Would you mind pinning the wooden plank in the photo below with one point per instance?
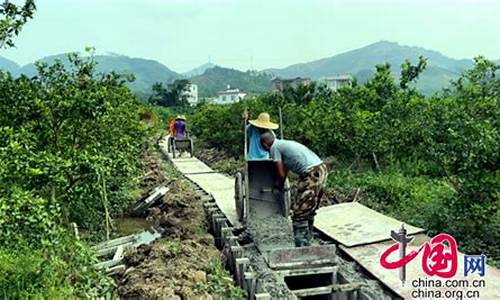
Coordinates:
(116, 269)
(150, 200)
(118, 253)
(262, 296)
(353, 224)
(108, 264)
(112, 250)
(116, 242)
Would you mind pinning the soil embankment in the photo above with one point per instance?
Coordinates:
(184, 264)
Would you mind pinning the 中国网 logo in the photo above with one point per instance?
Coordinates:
(439, 256)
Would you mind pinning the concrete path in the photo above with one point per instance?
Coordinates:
(220, 186)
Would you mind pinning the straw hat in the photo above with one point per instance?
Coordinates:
(181, 117)
(264, 121)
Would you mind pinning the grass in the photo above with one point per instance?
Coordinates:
(220, 282)
(174, 246)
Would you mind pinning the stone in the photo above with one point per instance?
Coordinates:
(200, 276)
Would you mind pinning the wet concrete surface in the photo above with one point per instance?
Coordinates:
(270, 232)
(267, 280)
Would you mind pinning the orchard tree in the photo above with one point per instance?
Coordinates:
(171, 95)
(411, 72)
(13, 17)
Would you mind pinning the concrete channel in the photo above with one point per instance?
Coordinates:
(280, 272)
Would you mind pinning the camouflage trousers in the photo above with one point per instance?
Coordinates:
(310, 189)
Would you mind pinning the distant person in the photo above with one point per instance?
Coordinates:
(180, 127)
(254, 130)
(292, 156)
(171, 127)
(171, 133)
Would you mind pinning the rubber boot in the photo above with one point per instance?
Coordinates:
(300, 232)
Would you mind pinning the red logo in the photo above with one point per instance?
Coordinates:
(438, 259)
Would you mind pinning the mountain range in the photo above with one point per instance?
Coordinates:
(212, 78)
(146, 71)
(361, 63)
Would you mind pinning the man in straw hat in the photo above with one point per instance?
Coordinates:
(293, 156)
(257, 127)
(180, 127)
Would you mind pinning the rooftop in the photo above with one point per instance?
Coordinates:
(290, 79)
(339, 77)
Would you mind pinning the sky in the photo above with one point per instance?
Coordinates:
(255, 34)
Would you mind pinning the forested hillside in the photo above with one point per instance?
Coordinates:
(146, 72)
(8, 65)
(360, 62)
(217, 79)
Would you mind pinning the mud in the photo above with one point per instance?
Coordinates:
(181, 264)
(168, 270)
(179, 213)
(152, 171)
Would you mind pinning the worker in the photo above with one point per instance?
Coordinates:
(180, 127)
(170, 136)
(292, 156)
(254, 130)
(171, 127)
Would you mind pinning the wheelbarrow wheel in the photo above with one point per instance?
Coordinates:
(287, 199)
(239, 196)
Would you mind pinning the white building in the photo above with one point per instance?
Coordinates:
(191, 93)
(336, 82)
(229, 96)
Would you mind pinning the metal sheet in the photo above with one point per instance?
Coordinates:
(354, 224)
(368, 256)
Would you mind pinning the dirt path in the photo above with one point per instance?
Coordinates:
(184, 264)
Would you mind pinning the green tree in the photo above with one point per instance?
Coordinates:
(13, 19)
(171, 95)
(411, 72)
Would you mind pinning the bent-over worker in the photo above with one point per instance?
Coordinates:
(293, 156)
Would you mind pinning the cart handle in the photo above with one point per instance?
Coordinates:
(246, 137)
